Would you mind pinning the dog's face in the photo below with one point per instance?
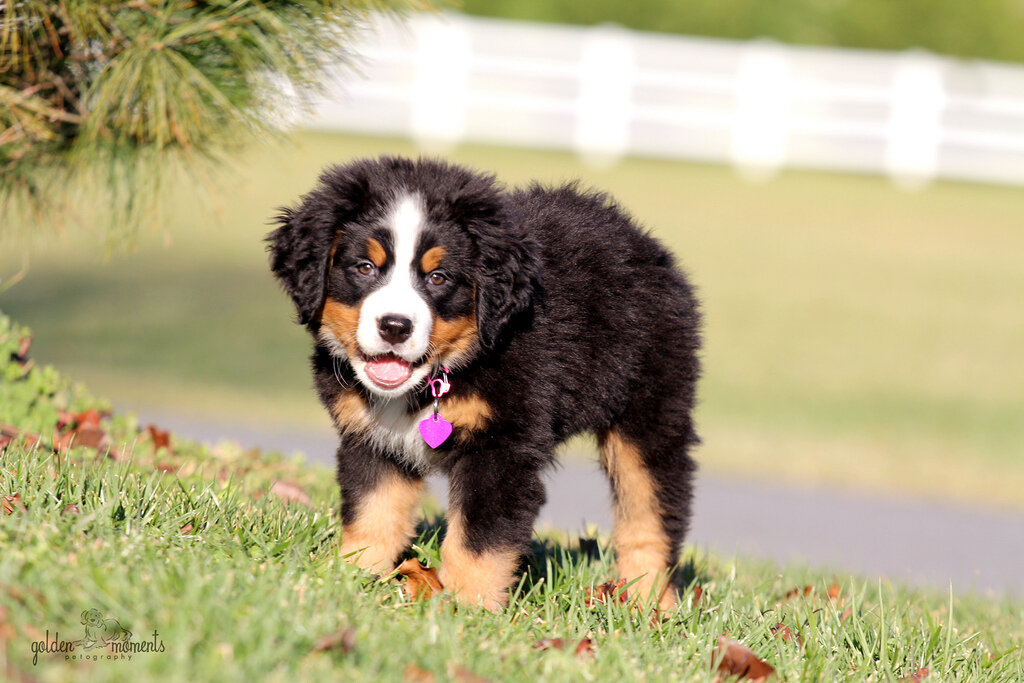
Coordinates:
(399, 297)
(92, 617)
(401, 267)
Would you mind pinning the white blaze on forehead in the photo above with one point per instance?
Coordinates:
(399, 296)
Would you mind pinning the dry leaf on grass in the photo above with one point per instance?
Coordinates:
(736, 659)
(415, 674)
(160, 438)
(697, 593)
(71, 509)
(421, 583)
(610, 589)
(12, 503)
(583, 650)
(344, 640)
(24, 347)
(464, 675)
(780, 630)
(290, 493)
(83, 429)
(806, 591)
(916, 677)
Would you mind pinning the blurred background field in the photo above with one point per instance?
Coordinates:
(856, 335)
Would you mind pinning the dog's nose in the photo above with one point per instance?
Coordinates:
(394, 329)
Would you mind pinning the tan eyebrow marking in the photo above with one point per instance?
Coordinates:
(375, 250)
(432, 258)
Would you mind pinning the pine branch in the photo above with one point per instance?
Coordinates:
(118, 93)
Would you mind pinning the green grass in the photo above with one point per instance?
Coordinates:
(857, 335)
(246, 593)
(191, 550)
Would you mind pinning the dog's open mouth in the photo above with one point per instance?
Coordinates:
(388, 371)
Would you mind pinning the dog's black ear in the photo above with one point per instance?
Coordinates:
(508, 263)
(302, 246)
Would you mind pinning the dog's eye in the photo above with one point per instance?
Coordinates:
(366, 268)
(437, 278)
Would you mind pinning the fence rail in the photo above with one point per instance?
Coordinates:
(607, 92)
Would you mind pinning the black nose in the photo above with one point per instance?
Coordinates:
(394, 329)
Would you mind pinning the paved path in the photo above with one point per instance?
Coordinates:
(912, 541)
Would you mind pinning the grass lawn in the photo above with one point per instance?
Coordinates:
(210, 563)
(237, 587)
(856, 335)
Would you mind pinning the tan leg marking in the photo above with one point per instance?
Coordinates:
(475, 578)
(342, 321)
(385, 521)
(375, 250)
(432, 258)
(641, 545)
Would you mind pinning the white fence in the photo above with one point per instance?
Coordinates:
(608, 92)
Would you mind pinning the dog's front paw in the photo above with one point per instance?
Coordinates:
(478, 591)
(372, 558)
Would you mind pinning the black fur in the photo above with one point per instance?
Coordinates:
(585, 325)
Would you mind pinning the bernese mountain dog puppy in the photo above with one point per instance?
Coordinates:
(531, 315)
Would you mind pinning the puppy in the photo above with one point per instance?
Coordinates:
(531, 315)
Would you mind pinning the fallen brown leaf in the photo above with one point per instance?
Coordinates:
(89, 419)
(916, 677)
(833, 591)
(415, 674)
(583, 650)
(12, 503)
(797, 592)
(736, 659)
(609, 589)
(187, 529)
(4, 441)
(344, 640)
(697, 593)
(290, 493)
(421, 583)
(167, 467)
(91, 437)
(464, 675)
(24, 346)
(549, 644)
(71, 509)
(780, 630)
(159, 437)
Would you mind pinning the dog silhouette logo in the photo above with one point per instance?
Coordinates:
(100, 632)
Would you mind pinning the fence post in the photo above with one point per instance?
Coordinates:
(440, 89)
(604, 108)
(913, 132)
(760, 123)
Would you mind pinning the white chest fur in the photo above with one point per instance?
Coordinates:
(394, 429)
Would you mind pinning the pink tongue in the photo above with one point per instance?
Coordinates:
(388, 371)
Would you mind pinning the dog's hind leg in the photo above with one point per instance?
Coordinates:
(651, 487)
(378, 508)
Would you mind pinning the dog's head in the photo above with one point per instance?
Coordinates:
(400, 265)
(92, 617)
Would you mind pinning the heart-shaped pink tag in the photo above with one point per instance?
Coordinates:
(435, 430)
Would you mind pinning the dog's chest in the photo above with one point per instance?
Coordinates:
(394, 429)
